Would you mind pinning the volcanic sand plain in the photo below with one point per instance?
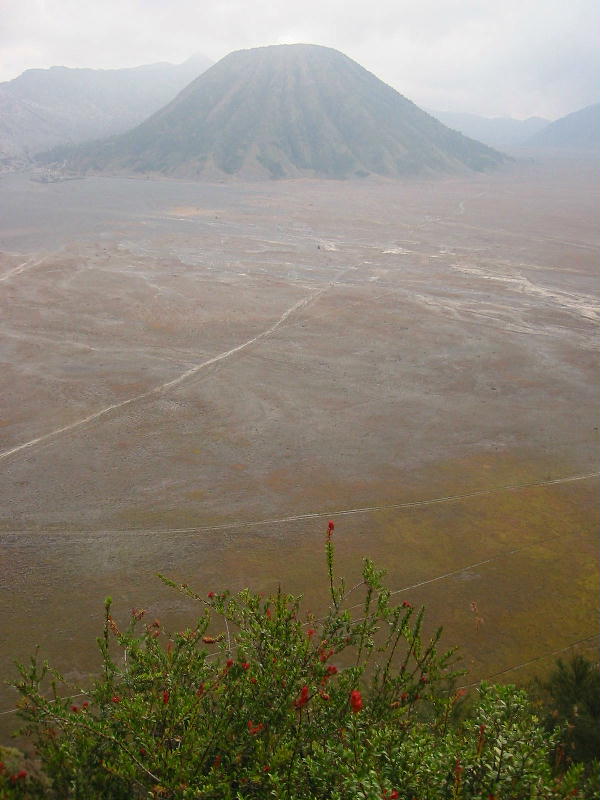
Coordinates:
(195, 377)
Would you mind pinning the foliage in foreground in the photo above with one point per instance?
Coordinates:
(255, 701)
(571, 696)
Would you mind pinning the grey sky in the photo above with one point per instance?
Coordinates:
(508, 57)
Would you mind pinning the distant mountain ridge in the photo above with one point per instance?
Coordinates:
(43, 108)
(577, 132)
(504, 133)
(288, 111)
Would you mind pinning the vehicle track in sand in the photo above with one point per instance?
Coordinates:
(157, 390)
(451, 498)
(20, 268)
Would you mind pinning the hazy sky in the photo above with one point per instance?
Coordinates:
(502, 57)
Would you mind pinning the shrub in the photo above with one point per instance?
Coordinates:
(571, 699)
(274, 704)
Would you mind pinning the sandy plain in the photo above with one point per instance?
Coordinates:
(195, 377)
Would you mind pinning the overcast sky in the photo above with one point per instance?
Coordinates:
(507, 57)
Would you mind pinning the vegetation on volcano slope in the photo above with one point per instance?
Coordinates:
(258, 700)
(287, 111)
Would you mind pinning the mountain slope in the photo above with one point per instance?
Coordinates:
(43, 108)
(501, 132)
(289, 110)
(577, 131)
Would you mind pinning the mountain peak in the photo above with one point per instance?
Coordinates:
(578, 131)
(289, 110)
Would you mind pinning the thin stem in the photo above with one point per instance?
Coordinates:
(329, 548)
(364, 625)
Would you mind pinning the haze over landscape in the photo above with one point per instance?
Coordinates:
(287, 111)
(253, 290)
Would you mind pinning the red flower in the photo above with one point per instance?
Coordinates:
(423, 678)
(217, 762)
(302, 698)
(406, 604)
(325, 654)
(245, 665)
(85, 704)
(266, 768)
(254, 729)
(268, 612)
(166, 696)
(330, 526)
(332, 670)
(2, 767)
(356, 701)
(229, 663)
(75, 709)
(252, 679)
(210, 595)
(115, 698)
(143, 751)
(404, 696)
(310, 633)
(325, 696)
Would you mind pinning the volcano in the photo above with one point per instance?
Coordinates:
(288, 111)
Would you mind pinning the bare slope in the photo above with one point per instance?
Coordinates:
(289, 110)
(502, 132)
(43, 108)
(579, 131)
